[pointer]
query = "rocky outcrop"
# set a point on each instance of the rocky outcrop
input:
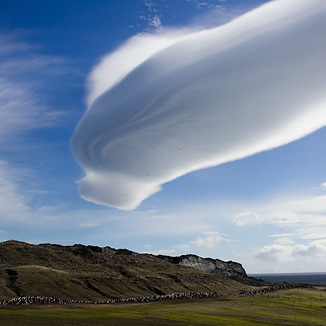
(208, 265)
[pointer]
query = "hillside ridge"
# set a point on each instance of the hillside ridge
(97, 273)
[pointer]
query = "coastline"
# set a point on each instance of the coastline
(308, 278)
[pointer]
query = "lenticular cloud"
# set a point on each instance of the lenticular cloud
(189, 101)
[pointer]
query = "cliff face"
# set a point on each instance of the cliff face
(208, 265)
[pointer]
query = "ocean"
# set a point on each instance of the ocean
(309, 278)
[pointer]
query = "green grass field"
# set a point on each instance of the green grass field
(287, 307)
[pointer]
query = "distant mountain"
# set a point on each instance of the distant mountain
(96, 273)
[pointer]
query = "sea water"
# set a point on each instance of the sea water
(308, 278)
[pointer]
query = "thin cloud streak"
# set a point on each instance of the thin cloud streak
(215, 96)
(24, 76)
(16, 207)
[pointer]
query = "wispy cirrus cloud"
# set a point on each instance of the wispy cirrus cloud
(12, 202)
(209, 98)
(152, 14)
(205, 4)
(26, 76)
(23, 75)
(16, 208)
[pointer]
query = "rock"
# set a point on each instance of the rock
(207, 265)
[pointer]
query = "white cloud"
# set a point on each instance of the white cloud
(28, 84)
(278, 253)
(16, 206)
(23, 74)
(303, 216)
(117, 65)
(209, 98)
(13, 205)
(155, 21)
(299, 243)
(246, 218)
(167, 252)
(148, 246)
(283, 241)
(209, 239)
(202, 4)
(153, 13)
(311, 236)
(151, 5)
(299, 248)
(281, 235)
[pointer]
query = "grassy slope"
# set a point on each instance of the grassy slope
(291, 307)
(78, 272)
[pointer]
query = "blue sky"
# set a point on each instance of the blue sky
(263, 203)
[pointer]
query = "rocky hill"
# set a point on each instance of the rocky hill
(208, 265)
(96, 273)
